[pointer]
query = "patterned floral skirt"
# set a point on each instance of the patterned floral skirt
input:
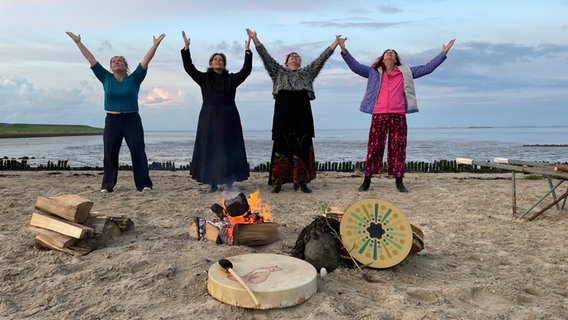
(293, 159)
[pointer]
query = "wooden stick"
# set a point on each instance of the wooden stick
(227, 265)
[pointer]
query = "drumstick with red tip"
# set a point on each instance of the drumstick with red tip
(228, 266)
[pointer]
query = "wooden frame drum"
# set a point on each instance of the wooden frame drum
(277, 281)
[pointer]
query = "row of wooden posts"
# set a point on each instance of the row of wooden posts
(347, 166)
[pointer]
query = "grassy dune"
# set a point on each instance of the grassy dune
(20, 130)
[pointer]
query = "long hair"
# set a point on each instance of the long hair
(222, 57)
(123, 60)
(379, 63)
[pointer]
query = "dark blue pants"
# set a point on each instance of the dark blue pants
(127, 126)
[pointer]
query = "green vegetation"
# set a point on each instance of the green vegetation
(17, 130)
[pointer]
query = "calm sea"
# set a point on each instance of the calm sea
(532, 144)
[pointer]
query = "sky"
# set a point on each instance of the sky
(508, 66)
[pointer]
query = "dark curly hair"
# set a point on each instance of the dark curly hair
(379, 63)
(222, 57)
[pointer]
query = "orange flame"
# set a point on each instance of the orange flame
(256, 205)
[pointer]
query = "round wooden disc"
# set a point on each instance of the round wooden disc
(376, 233)
(276, 280)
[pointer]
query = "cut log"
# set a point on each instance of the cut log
(57, 239)
(53, 223)
(237, 206)
(224, 232)
(197, 228)
(256, 234)
(102, 228)
(194, 231)
(218, 210)
(68, 206)
(73, 250)
(561, 168)
(123, 223)
(212, 233)
(216, 230)
(115, 230)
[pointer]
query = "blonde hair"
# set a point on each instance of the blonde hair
(123, 60)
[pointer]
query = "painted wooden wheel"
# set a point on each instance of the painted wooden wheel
(376, 233)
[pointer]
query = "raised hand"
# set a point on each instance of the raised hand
(337, 41)
(159, 39)
(253, 37)
(251, 34)
(186, 40)
(447, 47)
(76, 38)
(247, 44)
(86, 53)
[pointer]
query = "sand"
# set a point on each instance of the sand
(480, 262)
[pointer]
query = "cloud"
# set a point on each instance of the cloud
(21, 102)
(351, 23)
(501, 60)
(157, 97)
(14, 86)
(389, 9)
(105, 47)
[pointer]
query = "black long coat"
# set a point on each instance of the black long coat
(219, 155)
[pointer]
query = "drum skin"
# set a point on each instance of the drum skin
(277, 281)
(376, 233)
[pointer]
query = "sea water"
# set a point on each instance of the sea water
(548, 144)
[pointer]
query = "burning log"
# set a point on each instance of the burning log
(256, 234)
(219, 211)
(197, 228)
(238, 222)
(253, 234)
(237, 206)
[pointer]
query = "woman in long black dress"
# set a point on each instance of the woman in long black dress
(292, 159)
(219, 155)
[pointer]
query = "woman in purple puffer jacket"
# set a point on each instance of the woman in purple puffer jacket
(389, 96)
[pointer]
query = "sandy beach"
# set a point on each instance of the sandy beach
(479, 261)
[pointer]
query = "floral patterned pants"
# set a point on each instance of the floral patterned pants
(392, 126)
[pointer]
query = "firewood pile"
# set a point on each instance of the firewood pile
(65, 223)
(236, 222)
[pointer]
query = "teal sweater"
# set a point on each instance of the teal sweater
(120, 96)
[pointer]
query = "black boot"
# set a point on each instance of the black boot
(277, 189)
(305, 189)
(400, 186)
(366, 184)
(213, 187)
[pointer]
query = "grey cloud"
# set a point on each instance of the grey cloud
(21, 102)
(389, 9)
(105, 47)
(349, 24)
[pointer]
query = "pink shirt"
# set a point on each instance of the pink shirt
(391, 93)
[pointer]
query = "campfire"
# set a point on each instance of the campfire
(239, 221)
